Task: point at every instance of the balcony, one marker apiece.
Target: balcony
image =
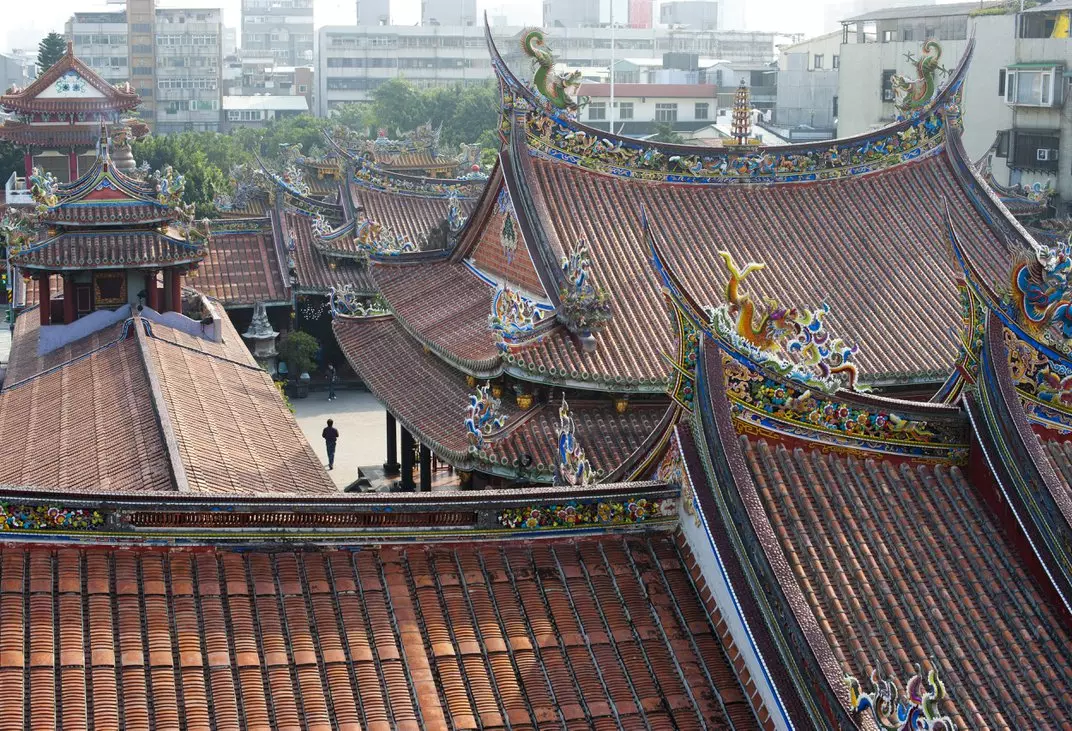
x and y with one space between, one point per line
16 192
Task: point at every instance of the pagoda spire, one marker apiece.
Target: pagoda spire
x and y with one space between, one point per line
742 115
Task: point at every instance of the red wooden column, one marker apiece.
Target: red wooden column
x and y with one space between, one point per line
176 291
68 299
72 165
44 302
169 284
152 291
28 162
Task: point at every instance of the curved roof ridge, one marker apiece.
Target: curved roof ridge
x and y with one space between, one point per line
509 81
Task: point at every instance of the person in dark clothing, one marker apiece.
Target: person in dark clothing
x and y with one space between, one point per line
331 436
332 377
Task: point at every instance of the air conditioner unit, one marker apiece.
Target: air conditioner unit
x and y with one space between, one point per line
1045 155
887 95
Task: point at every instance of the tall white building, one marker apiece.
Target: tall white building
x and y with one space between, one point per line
282 29
180 78
354 61
570 13
448 12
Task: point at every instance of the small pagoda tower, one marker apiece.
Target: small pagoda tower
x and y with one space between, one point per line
57 117
742 115
112 238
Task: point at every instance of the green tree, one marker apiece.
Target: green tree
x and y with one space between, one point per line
50 50
399 106
11 159
664 132
297 349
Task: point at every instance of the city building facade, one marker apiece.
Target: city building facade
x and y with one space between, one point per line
257 111
373 12
282 29
640 108
641 13
570 13
807 93
141 54
692 14
354 61
189 64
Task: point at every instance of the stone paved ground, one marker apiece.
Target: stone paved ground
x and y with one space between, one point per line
361 422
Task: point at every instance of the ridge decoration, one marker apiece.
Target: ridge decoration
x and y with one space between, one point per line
557 138
584 306
1044 385
793 343
170 188
512 314
553 87
919 710
1040 298
574 514
917 93
320 226
43 188
671 470
16 230
455 218
573 468
482 417
345 302
377 238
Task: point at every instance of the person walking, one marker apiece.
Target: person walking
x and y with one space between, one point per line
332 377
331 436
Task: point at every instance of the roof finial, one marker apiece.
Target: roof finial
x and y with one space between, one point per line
70 47
742 115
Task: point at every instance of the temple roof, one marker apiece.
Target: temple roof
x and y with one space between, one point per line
412 216
108 250
22 133
488 636
314 271
241 265
70 87
419 387
140 405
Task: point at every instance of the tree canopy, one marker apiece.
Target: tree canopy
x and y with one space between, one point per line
49 51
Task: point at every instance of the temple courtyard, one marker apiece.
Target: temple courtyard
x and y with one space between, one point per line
358 416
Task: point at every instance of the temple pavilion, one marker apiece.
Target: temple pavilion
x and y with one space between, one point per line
57 118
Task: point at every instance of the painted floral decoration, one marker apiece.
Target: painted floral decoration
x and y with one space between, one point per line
577 514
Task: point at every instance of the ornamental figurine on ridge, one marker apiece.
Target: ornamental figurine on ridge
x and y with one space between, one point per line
1039 297
455 218
377 238
584 307
320 226
792 342
918 93
43 186
511 313
345 302
554 87
573 468
482 417
920 713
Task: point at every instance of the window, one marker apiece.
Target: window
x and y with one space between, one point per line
702 110
1001 82
1032 87
245 115
666 112
887 85
835 62
625 110
889 36
818 61
597 110
835 110
1034 149
906 34
1003 144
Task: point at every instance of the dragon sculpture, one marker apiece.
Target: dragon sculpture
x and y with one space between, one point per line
584 307
919 713
346 302
554 87
573 468
1040 296
792 341
919 92
482 417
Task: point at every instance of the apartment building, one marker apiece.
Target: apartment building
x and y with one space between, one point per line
354 61
189 62
807 95
639 108
101 41
282 29
141 54
1014 92
570 13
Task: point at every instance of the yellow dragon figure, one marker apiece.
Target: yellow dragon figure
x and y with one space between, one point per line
552 85
796 334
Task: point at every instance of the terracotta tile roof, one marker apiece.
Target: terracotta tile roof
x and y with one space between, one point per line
588 634
1060 456
410 215
108 214
111 249
832 242
446 306
430 397
509 260
948 592
206 417
316 272
257 207
240 269
21 133
88 426
411 161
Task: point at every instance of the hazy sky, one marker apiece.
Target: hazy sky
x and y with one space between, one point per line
24 23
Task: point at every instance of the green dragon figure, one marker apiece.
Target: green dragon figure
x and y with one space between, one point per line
551 85
919 92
